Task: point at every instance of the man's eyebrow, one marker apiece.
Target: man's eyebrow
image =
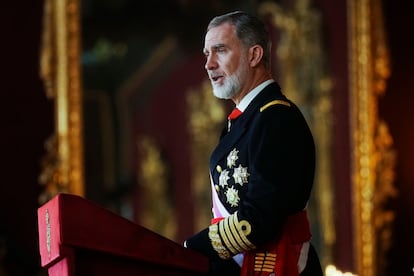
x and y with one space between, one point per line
214 48
217 46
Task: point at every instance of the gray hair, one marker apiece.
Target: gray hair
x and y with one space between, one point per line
249 29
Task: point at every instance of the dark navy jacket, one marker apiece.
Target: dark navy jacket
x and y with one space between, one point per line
263 168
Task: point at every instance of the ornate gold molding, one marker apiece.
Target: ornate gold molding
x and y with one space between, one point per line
157 210
61 73
372 153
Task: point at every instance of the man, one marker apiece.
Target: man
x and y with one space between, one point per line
262 170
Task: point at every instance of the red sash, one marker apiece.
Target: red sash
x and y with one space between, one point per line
282 255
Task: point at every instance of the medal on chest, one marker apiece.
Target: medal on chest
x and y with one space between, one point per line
231 180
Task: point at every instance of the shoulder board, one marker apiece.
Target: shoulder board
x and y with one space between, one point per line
273 103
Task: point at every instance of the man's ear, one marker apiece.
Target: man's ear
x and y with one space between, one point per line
255 55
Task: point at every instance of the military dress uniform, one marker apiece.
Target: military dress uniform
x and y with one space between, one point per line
262 173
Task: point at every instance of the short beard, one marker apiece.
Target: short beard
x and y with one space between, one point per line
232 85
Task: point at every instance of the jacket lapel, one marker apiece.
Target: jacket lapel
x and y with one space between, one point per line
226 143
228 140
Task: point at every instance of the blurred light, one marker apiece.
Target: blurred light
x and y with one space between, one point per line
331 270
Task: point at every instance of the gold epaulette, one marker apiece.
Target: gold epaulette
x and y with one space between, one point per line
282 102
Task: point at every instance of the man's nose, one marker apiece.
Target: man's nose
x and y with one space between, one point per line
211 64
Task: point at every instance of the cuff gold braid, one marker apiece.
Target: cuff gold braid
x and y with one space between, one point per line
229 236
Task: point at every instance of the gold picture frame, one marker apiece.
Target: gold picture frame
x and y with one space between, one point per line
372 154
63 169
61 73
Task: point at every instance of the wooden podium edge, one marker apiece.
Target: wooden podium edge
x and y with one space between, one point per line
55 217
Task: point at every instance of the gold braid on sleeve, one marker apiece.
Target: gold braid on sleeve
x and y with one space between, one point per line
229 236
217 243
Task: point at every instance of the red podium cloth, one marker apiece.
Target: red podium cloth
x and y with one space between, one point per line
78 237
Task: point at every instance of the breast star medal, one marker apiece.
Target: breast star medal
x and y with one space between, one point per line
232 158
232 197
223 178
240 175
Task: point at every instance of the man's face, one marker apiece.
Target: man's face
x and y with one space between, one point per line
226 62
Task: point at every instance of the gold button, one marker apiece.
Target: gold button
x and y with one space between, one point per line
217 187
218 168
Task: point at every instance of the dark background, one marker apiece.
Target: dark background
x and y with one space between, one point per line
27 121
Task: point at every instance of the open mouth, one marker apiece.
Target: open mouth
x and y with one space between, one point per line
216 78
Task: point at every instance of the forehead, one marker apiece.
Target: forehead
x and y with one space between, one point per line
223 34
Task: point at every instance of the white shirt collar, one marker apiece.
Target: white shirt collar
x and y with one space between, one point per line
244 103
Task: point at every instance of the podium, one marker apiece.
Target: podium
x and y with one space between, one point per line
78 237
